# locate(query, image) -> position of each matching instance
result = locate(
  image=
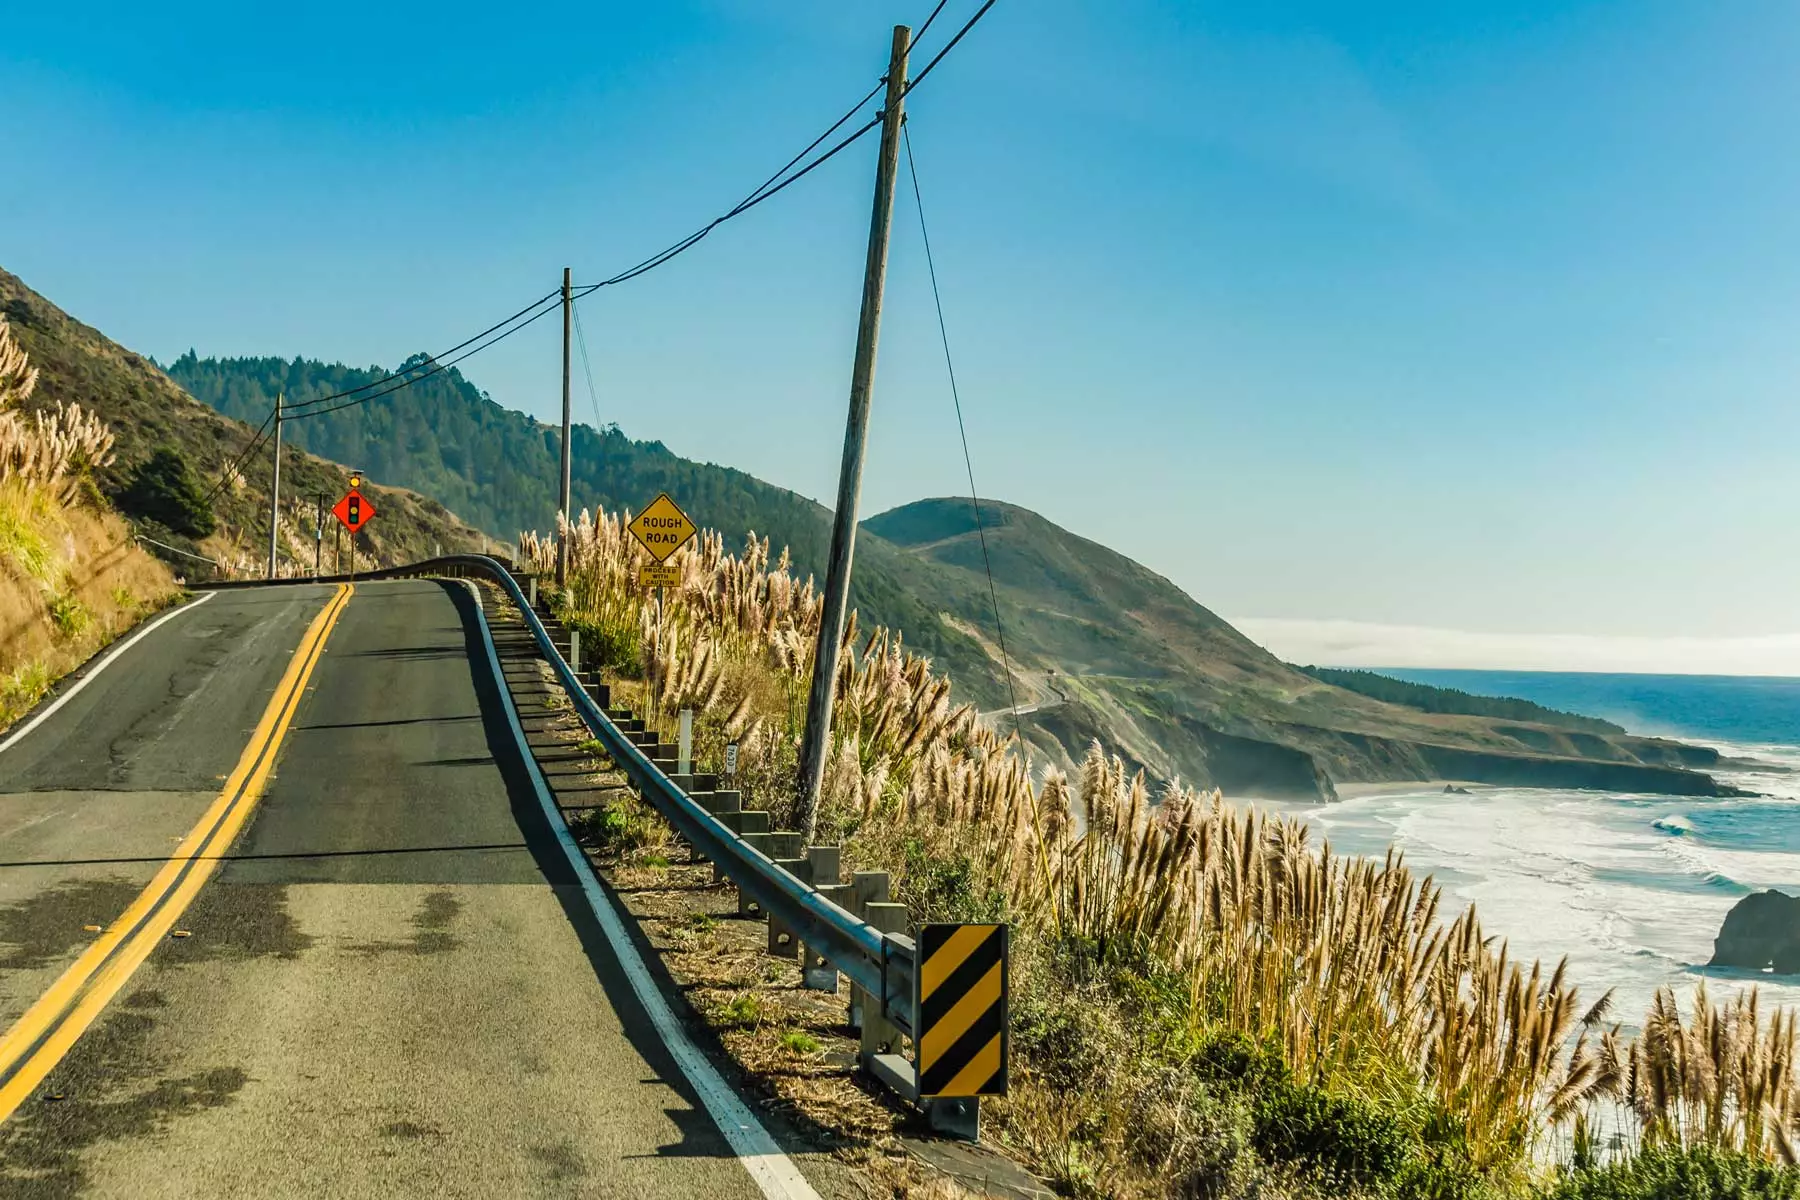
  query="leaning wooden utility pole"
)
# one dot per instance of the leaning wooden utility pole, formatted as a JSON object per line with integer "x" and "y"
{"x": 562, "y": 536}
{"x": 817, "y": 744}
{"x": 275, "y": 487}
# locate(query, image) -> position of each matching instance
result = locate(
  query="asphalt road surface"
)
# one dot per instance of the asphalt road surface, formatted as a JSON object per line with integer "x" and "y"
{"x": 392, "y": 985}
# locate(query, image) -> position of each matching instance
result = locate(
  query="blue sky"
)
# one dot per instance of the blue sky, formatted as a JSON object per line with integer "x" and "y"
{"x": 1474, "y": 316}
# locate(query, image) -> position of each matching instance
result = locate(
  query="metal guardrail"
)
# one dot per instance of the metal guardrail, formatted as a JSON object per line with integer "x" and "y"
{"x": 882, "y": 964}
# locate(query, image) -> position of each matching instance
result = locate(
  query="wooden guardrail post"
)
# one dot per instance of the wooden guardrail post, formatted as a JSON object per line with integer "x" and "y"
{"x": 824, "y": 865}
{"x": 878, "y": 1035}
{"x": 866, "y": 888}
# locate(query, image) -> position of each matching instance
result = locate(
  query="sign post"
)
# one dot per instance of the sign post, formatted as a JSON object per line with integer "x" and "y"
{"x": 353, "y": 511}
{"x": 662, "y": 529}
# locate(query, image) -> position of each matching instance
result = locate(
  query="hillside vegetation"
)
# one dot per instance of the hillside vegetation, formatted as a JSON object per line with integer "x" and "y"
{"x": 1427, "y": 698}
{"x": 71, "y": 578}
{"x": 149, "y": 414}
{"x": 1100, "y": 646}
{"x": 1203, "y": 1003}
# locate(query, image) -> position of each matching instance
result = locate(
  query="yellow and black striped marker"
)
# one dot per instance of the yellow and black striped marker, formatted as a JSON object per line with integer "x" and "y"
{"x": 962, "y": 1029}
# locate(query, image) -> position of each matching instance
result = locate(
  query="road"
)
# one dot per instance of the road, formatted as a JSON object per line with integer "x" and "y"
{"x": 390, "y": 986}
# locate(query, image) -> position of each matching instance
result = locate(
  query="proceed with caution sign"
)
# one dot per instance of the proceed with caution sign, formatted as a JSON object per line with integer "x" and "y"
{"x": 660, "y": 575}
{"x": 963, "y": 1042}
{"x": 662, "y": 528}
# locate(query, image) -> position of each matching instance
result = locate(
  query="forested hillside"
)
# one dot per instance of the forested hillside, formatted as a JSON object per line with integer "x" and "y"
{"x": 496, "y": 468}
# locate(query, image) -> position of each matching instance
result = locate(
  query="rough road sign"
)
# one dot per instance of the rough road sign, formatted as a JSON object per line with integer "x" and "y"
{"x": 660, "y": 575}
{"x": 354, "y": 510}
{"x": 662, "y": 527}
{"x": 962, "y": 1046}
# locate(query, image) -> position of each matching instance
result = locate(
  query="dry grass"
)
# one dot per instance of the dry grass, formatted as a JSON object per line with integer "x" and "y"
{"x": 1347, "y": 967}
{"x": 71, "y": 579}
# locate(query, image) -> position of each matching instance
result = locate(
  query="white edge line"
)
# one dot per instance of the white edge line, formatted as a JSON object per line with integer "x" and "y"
{"x": 773, "y": 1171}
{"x": 106, "y": 661}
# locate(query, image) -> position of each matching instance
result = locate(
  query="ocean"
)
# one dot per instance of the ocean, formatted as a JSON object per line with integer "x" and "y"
{"x": 1630, "y": 888}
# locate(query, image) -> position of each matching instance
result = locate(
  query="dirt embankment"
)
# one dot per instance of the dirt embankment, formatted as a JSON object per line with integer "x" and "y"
{"x": 81, "y": 584}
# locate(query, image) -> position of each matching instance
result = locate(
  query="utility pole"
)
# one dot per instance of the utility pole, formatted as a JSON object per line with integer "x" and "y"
{"x": 562, "y": 537}
{"x": 319, "y": 536}
{"x": 817, "y": 741}
{"x": 275, "y": 487}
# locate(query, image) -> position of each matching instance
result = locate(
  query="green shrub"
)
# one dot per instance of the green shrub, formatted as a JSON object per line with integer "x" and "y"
{"x": 610, "y": 638}
{"x": 26, "y": 515}
{"x": 24, "y": 687}
{"x": 163, "y": 488}
{"x": 942, "y": 887}
{"x": 743, "y": 1009}
{"x": 621, "y": 829}
{"x": 799, "y": 1042}
{"x": 1701, "y": 1173}
{"x": 70, "y": 616}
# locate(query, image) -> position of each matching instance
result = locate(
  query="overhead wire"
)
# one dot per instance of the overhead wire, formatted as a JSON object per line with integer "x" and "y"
{"x": 400, "y": 381}
{"x": 926, "y": 27}
{"x": 912, "y": 171}
{"x": 948, "y": 46}
{"x": 587, "y": 369}
{"x": 768, "y": 188}
{"x": 392, "y": 375}
{"x": 237, "y": 463}
{"x": 780, "y": 180}
{"x": 396, "y": 381}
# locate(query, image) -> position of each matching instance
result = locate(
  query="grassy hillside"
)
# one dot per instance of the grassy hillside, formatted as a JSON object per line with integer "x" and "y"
{"x": 71, "y": 578}
{"x": 147, "y": 410}
{"x": 1107, "y": 648}
{"x": 1101, "y": 647}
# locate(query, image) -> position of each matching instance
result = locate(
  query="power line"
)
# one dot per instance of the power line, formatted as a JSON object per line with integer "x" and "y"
{"x": 393, "y": 375}
{"x": 396, "y": 381}
{"x": 948, "y": 46}
{"x": 587, "y": 369}
{"x": 781, "y": 180}
{"x": 400, "y": 381}
{"x": 912, "y": 171}
{"x": 920, "y": 36}
{"x": 769, "y": 188}
{"x": 232, "y": 468}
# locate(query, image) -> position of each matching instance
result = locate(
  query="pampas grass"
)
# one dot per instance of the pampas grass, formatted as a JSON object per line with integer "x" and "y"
{"x": 1349, "y": 966}
{"x": 50, "y": 449}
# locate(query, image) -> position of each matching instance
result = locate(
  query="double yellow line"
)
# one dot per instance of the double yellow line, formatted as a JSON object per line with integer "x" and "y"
{"x": 40, "y": 1039}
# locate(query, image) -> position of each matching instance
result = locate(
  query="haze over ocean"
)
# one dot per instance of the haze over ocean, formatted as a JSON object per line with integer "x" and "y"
{"x": 1632, "y": 888}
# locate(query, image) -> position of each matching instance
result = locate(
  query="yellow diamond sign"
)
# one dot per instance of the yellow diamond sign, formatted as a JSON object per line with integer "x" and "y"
{"x": 662, "y": 527}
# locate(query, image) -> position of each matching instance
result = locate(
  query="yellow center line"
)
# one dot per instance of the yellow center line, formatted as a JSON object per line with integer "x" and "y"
{"x": 40, "y": 1038}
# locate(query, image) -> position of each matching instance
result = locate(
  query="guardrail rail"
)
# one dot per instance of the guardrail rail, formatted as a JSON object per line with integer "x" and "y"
{"x": 879, "y": 957}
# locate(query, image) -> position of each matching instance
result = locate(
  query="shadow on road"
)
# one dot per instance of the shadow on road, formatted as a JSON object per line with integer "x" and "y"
{"x": 700, "y": 1137}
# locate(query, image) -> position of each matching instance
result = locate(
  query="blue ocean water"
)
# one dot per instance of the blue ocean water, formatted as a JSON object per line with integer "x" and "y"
{"x": 1631, "y": 888}
{"x": 1736, "y": 708}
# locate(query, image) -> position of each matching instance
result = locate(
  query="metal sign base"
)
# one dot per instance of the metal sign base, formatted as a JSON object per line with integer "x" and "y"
{"x": 952, "y": 1116}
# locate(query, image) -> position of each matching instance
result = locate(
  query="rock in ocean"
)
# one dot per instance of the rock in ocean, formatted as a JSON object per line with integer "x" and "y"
{"x": 1761, "y": 931}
